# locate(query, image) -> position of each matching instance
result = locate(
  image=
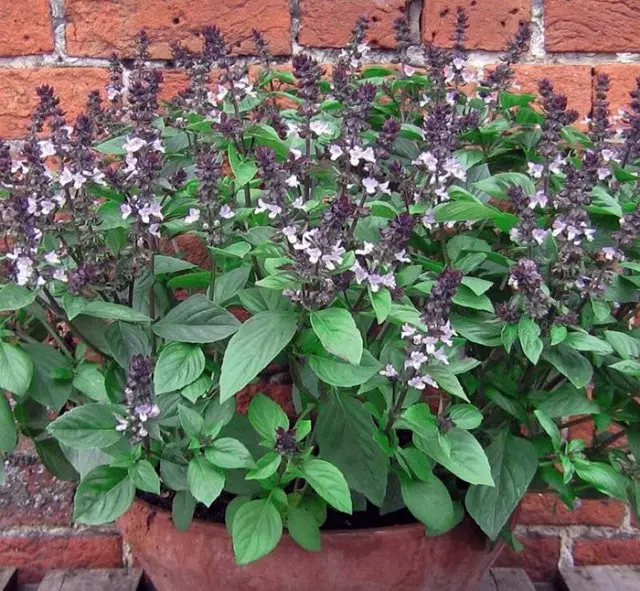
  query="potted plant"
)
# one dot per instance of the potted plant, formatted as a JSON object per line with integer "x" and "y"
{"x": 350, "y": 317}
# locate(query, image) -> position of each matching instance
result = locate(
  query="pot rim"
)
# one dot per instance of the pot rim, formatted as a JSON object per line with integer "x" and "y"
{"x": 337, "y": 533}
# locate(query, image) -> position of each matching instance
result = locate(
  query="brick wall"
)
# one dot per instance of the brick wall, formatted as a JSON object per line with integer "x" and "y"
{"x": 65, "y": 43}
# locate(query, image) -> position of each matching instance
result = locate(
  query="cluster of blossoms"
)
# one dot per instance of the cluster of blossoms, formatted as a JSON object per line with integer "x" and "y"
{"x": 425, "y": 345}
{"x": 138, "y": 400}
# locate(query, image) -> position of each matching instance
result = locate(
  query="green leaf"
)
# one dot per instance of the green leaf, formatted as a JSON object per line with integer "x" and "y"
{"x": 205, "y": 480}
{"x": 230, "y": 283}
{"x": 328, "y": 482}
{"x": 419, "y": 419}
{"x": 8, "y": 431}
{"x": 342, "y": 374}
{"x": 14, "y": 297}
{"x": 182, "y": 509}
{"x": 447, "y": 381}
{"x": 570, "y": 364}
{"x": 303, "y": 528}
{"x": 87, "y": 426}
{"x": 465, "y": 458}
{"x": 90, "y": 381}
{"x": 196, "y": 389}
{"x": 566, "y": 401}
{"x": 125, "y": 341}
{"x": 243, "y": 170}
{"x": 16, "y": 369}
{"x": 496, "y": 184}
{"x": 237, "y": 250}
{"x": 103, "y": 496}
{"x": 429, "y": 502}
{"x": 265, "y": 467}
{"x": 558, "y": 334}
{"x": 110, "y": 311}
{"x": 345, "y": 432}
{"x": 529, "y": 335}
{"x": 465, "y": 416}
{"x": 266, "y": 416}
{"x": 585, "y": 342}
{"x": 229, "y": 453}
{"x": 624, "y": 345}
{"x": 630, "y": 367}
{"x": 509, "y": 336}
{"x": 464, "y": 211}
{"x": 483, "y": 329}
{"x": 381, "y": 302}
{"x": 476, "y": 285}
{"x": 44, "y": 388}
{"x": 466, "y": 298}
{"x": 603, "y": 478}
{"x": 114, "y": 145}
{"x": 257, "y": 529}
{"x": 163, "y": 264}
{"x": 338, "y": 333}
{"x": 551, "y": 429}
{"x": 191, "y": 422}
{"x": 197, "y": 320}
{"x": 253, "y": 347}
{"x": 145, "y": 477}
{"x": 178, "y": 365}
{"x": 514, "y": 462}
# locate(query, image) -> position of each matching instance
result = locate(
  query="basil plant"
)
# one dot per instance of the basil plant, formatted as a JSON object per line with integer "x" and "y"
{"x": 285, "y": 296}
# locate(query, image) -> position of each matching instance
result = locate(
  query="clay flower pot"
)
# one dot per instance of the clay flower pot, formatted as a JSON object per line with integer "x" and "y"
{"x": 398, "y": 558}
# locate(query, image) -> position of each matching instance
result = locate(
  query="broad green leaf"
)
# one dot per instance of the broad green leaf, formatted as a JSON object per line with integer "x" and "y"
{"x": 464, "y": 211}
{"x": 476, "y": 285}
{"x": 625, "y": 345}
{"x": 328, "y": 482}
{"x": 243, "y": 170}
{"x": 191, "y": 422}
{"x": 419, "y": 419}
{"x": 14, "y": 297}
{"x": 483, "y": 329}
{"x": 447, "y": 381}
{"x": 265, "y": 467}
{"x": 303, "y": 528}
{"x": 630, "y": 367}
{"x": 257, "y": 529}
{"x": 198, "y": 388}
{"x": 513, "y": 464}
{"x": 529, "y": 335}
{"x": 466, "y": 298}
{"x": 90, "y": 381}
{"x": 87, "y": 426}
{"x": 253, "y": 347}
{"x": 338, "y": 333}
{"x": 178, "y": 365}
{"x": 8, "y": 431}
{"x": 570, "y": 363}
{"x": 509, "y": 336}
{"x": 103, "y": 496}
{"x": 228, "y": 453}
{"x": 197, "y": 320}
{"x": 111, "y": 311}
{"x": 558, "y": 334}
{"x": 230, "y": 283}
{"x": 16, "y": 369}
{"x": 114, "y": 145}
{"x": 429, "y": 502}
{"x": 381, "y": 302}
{"x": 603, "y": 478}
{"x": 163, "y": 264}
{"x": 126, "y": 340}
{"x": 465, "y": 458}
{"x": 44, "y": 388}
{"x": 145, "y": 477}
{"x": 205, "y": 480}
{"x": 465, "y": 416}
{"x": 566, "y": 401}
{"x": 345, "y": 432}
{"x": 182, "y": 509}
{"x": 550, "y": 428}
{"x": 585, "y": 342}
{"x": 340, "y": 373}
{"x": 266, "y": 416}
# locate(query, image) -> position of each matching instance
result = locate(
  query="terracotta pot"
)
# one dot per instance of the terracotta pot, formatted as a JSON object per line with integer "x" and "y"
{"x": 398, "y": 558}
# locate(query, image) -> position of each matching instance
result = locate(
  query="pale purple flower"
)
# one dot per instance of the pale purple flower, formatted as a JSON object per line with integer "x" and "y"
{"x": 47, "y": 148}
{"x": 603, "y": 173}
{"x": 367, "y": 248}
{"x": 193, "y": 216}
{"x": 335, "y": 151}
{"x": 428, "y": 160}
{"x": 134, "y": 144}
{"x": 290, "y": 233}
{"x": 52, "y": 258}
{"x": 454, "y": 168}
{"x": 125, "y": 210}
{"x": 370, "y": 184}
{"x": 274, "y": 210}
{"x": 149, "y": 210}
{"x": 293, "y": 181}
{"x": 226, "y": 213}
{"x": 389, "y": 371}
{"x": 538, "y": 200}
{"x": 416, "y": 360}
{"x": 320, "y": 127}
{"x": 535, "y": 170}
{"x": 539, "y": 235}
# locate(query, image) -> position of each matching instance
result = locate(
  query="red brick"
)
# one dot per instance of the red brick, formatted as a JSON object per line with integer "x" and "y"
{"x": 547, "y": 509}
{"x": 592, "y": 25}
{"x": 491, "y": 24}
{"x": 622, "y": 81}
{"x": 18, "y": 93}
{"x": 27, "y": 27}
{"x": 573, "y": 81}
{"x": 586, "y": 431}
{"x": 33, "y": 556}
{"x": 31, "y": 496}
{"x": 99, "y": 27}
{"x": 604, "y": 551}
{"x": 328, "y": 23}
{"x": 539, "y": 557}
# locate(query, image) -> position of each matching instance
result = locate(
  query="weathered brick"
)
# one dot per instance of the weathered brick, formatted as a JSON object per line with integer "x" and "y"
{"x": 26, "y": 28}
{"x": 99, "y": 28}
{"x": 539, "y": 557}
{"x": 592, "y": 25}
{"x": 547, "y": 509}
{"x": 328, "y": 23}
{"x": 491, "y": 24}
{"x": 621, "y": 550}
{"x": 586, "y": 432}
{"x": 31, "y": 496}
{"x": 622, "y": 81}
{"x": 34, "y": 555}
{"x": 18, "y": 93}
{"x": 573, "y": 81}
